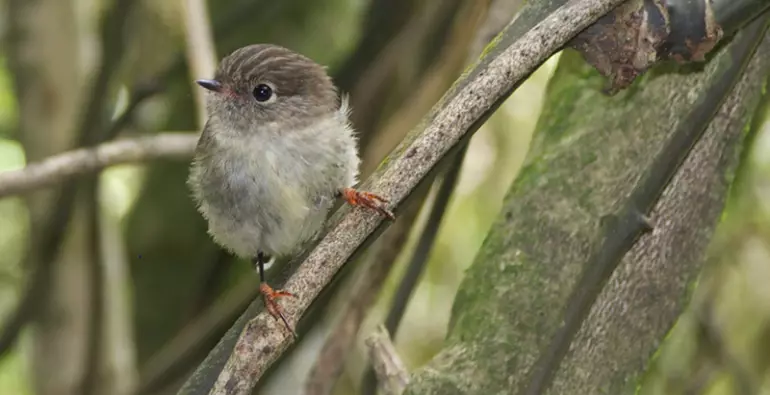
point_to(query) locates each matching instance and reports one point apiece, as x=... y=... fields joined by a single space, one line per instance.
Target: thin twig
x=201 y=54
x=120 y=367
x=59 y=168
x=392 y=375
x=471 y=101
x=94 y=132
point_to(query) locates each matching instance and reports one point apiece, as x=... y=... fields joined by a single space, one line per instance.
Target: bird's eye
x=263 y=92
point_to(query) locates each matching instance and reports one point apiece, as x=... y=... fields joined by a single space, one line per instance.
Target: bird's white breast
x=272 y=191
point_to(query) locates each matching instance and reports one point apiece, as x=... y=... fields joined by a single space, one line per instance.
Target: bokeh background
x=157 y=273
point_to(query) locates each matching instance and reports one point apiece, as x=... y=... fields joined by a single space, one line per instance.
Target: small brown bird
x=276 y=151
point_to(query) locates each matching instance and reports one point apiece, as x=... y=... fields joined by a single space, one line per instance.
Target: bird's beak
x=212 y=85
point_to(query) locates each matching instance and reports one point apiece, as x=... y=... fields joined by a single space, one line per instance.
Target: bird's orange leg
x=271 y=303
x=367 y=200
x=269 y=294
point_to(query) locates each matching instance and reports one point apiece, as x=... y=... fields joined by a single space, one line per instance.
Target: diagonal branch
x=342 y=337
x=462 y=111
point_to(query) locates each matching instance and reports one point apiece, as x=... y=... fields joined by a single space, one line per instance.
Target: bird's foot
x=271 y=303
x=367 y=200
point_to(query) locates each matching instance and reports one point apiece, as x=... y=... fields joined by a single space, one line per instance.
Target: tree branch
x=60 y=168
x=462 y=111
x=624 y=229
x=635 y=37
x=201 y=54
x=391 y=372
x=425 y=244
x=342 y=337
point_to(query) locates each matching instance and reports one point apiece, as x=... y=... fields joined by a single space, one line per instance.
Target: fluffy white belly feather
x=273 y=193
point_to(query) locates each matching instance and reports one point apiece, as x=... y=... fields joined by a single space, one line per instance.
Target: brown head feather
x=290 y=74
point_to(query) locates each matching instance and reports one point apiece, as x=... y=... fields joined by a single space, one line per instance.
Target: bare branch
x=461 y=112
x=201 y=54
x=59 y=168
x=392 y=376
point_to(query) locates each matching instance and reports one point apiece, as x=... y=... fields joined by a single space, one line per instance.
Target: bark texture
x=589 y=155
x=648 y=292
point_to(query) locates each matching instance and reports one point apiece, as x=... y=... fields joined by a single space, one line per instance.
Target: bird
x=276 y=152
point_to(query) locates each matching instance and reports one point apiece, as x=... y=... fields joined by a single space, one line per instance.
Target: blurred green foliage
x=13 y=230
x=8 y=111
x=735 y=285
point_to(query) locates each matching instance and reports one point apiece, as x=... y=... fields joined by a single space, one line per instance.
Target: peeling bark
x=641 y=33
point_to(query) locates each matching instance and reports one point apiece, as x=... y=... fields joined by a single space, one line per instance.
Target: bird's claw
x=271 y=303
x=368 y=200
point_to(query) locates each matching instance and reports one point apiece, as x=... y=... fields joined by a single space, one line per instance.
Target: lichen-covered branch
x=460 y=113
x=655 y=279
x=517 y=324
x=623 y=228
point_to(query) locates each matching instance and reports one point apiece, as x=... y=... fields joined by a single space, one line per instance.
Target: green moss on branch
x=588 y=156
